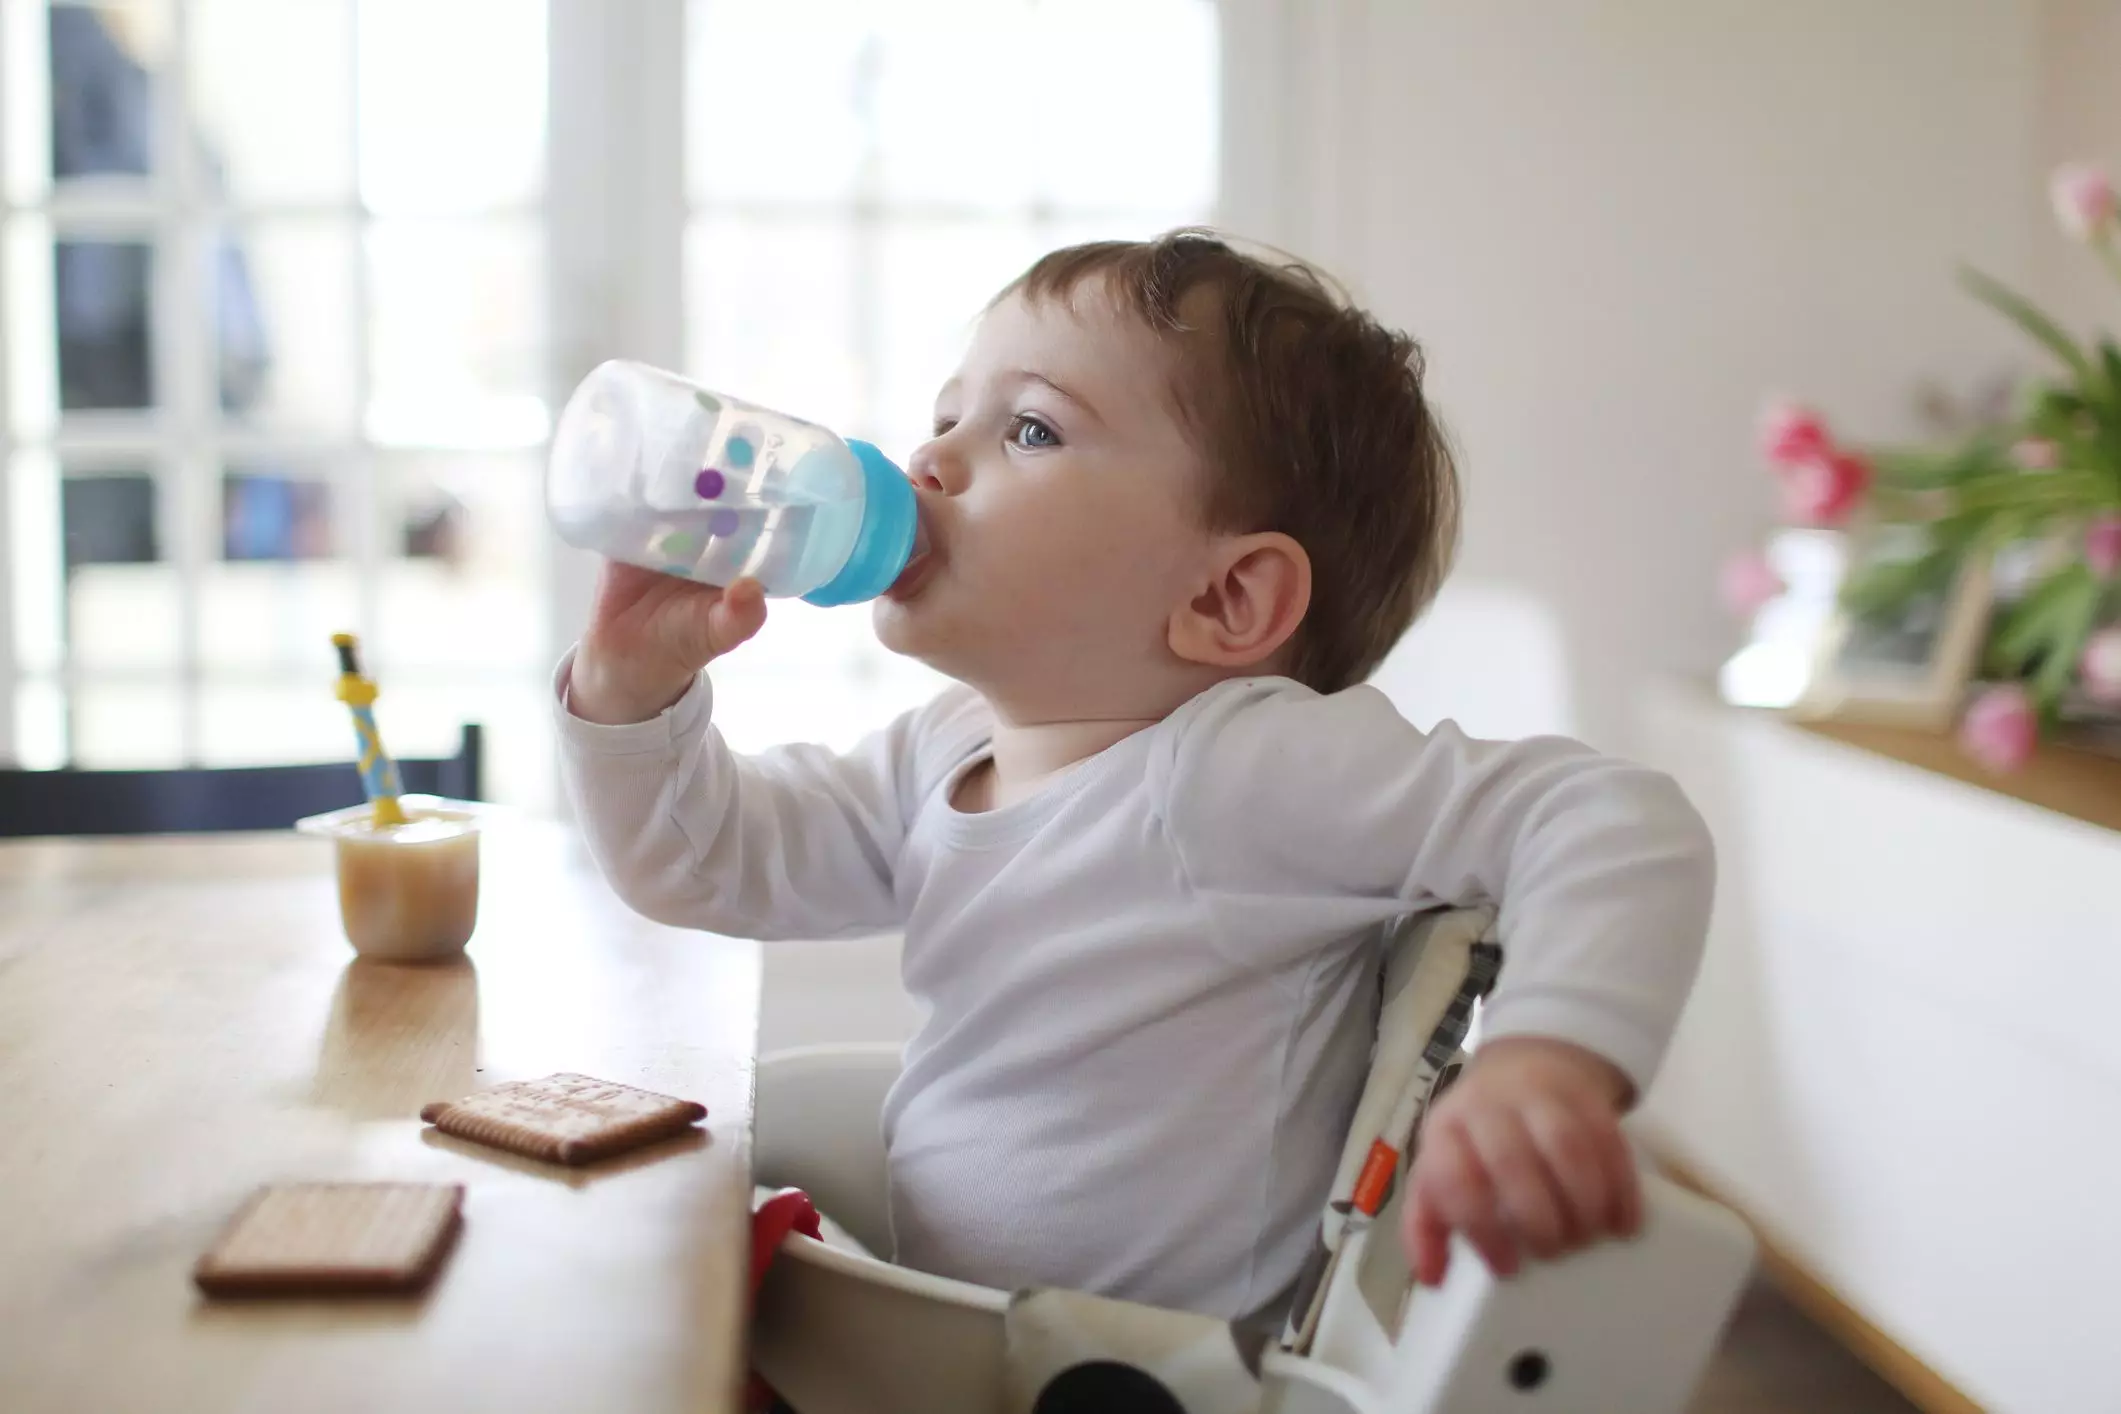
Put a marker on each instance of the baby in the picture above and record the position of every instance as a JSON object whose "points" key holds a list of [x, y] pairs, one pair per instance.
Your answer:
{"points": [[1178, 503]]}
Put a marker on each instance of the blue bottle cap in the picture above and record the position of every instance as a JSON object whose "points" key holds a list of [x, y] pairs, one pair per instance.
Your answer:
{"points": [[882, 546]]}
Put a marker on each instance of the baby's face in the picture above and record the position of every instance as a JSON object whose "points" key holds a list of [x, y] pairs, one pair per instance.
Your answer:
{"points": [[1060, 514]]}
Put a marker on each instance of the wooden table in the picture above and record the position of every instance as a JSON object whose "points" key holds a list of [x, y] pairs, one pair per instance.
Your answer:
{"points": [[181, 1020]]}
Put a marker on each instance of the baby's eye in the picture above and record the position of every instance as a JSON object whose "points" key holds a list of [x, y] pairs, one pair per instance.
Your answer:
{"points": [[1031, 434], [943, 425]]}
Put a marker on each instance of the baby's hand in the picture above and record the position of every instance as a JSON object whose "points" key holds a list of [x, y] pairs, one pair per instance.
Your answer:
{"points": [[649, 635], [1523, 1154]]}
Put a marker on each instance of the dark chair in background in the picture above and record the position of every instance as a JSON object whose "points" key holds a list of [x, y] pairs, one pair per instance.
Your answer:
{"points": [[69, 802]]}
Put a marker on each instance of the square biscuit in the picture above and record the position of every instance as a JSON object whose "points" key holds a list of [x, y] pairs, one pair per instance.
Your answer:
{"points": [[565, 1119], [333, 1238]]}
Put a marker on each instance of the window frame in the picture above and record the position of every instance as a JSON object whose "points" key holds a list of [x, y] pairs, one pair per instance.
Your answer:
{"points": [[185, 441], [615, 214]]}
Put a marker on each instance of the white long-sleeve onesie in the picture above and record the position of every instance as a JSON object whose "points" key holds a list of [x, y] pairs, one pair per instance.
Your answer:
{"points": [[1148, 989]]}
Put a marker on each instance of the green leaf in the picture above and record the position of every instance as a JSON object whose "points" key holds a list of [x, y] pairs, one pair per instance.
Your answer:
{"points": [[1916, 470], [2054, 423], [2061, 491], [2021, 312], [1878, 588], [1886, 584], [2103, 446], [2011, 527], [2027, 625], [1985, 453], [2074, 616], [2058, 398]]}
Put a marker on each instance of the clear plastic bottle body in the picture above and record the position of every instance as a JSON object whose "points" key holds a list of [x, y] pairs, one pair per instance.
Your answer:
{"points": [[653, 470]]}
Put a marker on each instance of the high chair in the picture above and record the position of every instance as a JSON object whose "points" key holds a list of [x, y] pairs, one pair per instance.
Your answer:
{"points": [[1623, 1328]]}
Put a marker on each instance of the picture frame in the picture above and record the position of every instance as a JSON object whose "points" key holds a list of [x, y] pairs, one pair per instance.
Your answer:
{"points": [[1913, 665]]}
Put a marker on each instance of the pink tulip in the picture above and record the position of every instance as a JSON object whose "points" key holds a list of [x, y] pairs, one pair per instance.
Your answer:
{"points": [[1749, 582], [2102, 545], [1825, 490], [1791, 434], [2084, 200], [2100, 667], [2000, 729], [2035, 453]]}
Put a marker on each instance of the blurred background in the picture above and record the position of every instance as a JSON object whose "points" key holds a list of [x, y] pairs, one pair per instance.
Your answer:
{"points": [[290, 290]]}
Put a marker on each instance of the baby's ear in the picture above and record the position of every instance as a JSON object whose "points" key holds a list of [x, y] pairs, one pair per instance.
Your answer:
{"points": [[1251, 603]]}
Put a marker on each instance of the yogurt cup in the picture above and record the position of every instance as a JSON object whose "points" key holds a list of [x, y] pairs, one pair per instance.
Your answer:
{"points": [[410, 892]]}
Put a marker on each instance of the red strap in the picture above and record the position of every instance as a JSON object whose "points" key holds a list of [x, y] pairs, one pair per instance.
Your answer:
{"points": [[789, 1210]]}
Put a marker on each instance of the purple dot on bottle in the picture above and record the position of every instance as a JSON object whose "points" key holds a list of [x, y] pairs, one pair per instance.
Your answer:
{"points": [[709, 484], [723, 523]]}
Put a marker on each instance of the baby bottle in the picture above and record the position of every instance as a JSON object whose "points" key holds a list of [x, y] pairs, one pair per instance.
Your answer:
{"points": [[656, 471]]}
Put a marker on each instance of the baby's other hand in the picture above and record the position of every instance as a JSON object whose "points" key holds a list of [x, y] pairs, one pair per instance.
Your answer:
{"points": [[1524, 1155], [649, 635]]}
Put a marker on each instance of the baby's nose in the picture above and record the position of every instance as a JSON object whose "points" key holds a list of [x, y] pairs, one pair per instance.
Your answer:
{"points": [[934, 467]]}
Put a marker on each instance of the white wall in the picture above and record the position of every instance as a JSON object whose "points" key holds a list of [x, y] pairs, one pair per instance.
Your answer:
{"points": [[2077, 118], [1615, 224]]}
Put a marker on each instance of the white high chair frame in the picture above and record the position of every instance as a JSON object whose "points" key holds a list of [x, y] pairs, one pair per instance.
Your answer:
{"points": [[1624, 1328]]}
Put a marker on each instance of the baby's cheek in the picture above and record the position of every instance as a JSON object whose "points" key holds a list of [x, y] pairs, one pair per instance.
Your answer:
{"points": [[1041, 552], [1069, 564], [1096, 581], [1078, 531]]}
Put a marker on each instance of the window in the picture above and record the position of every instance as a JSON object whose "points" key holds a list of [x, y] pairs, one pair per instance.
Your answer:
{"points": [[861, 178], [272, 307], [279, 341]]}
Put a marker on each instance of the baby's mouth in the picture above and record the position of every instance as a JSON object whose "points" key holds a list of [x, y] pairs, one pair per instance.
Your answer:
{"points": [[917, 562]]}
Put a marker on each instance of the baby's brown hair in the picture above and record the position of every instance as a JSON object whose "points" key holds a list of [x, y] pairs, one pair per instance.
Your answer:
{"points": [[1310, 416]]}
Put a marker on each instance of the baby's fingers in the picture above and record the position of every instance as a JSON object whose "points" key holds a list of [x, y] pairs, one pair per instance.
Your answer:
{"points": [[1454, 1192], [736, 616], [1526, 1191], [1585, 1179], [1426, 1238], [1627, 1195], [1593, 1168]]}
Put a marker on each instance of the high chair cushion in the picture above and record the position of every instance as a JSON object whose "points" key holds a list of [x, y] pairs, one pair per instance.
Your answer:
{"points": [[1436, 968], [1066, 1351]]}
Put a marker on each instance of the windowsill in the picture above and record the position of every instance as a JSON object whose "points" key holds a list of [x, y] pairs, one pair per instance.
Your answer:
{"points": [[2081, 784]]}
